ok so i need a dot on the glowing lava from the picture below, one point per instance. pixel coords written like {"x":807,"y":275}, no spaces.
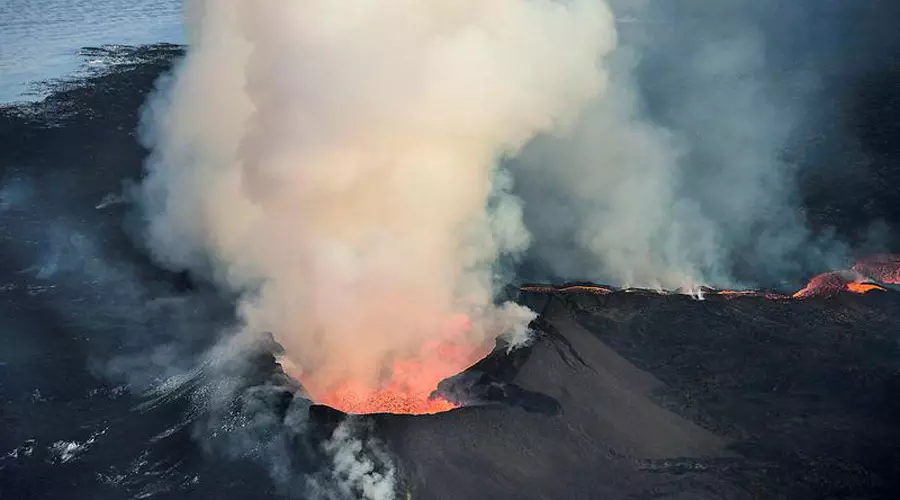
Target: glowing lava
{"x":408,"y":386}
{"x":863,"y":287}
{"x":397,"y":397}
{"x":884,"y":268}
{"x":410,"y":380}
{"x":833,"y":283}
{"x":866,"y":275}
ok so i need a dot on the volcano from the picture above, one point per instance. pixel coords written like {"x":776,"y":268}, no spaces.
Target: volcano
{"x":622,"y":394}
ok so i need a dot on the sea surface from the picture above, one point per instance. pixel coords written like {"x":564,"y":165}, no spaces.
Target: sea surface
{"x":40,"y":39}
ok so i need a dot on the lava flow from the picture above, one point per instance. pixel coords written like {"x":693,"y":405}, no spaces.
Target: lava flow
{"x":835,"y":282}
{"x":867,"y":274}
{"x":408,"y":387}
{"x":864,"y":276}
{"x":883,"y":267}
{"x":411,"y":381}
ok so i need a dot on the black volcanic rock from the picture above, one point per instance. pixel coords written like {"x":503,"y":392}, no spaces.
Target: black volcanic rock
{"x":598,"y":445}
{"x":671,"y":397}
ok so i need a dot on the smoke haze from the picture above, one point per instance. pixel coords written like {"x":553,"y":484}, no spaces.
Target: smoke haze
{"x":685,"y":172}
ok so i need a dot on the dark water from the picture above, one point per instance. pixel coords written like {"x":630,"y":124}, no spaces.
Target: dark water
{"x":87,"y":324}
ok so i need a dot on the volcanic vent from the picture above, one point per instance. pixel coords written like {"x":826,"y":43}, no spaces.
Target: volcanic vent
{"x":410,"y":384}
{"x":350,"y":192}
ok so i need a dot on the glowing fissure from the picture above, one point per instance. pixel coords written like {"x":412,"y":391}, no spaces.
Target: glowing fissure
{"x":866,"y":275}
{"x":884,"y":268}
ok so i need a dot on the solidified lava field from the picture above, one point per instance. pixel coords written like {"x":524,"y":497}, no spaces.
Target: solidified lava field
{"x":621,"y":395}
{"x":650,"y":396}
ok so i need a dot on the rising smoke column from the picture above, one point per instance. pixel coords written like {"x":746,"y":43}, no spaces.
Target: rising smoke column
{"x":333,"y":163}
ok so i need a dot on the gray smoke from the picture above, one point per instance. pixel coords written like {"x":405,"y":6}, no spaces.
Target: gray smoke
{"x":684,"y":172}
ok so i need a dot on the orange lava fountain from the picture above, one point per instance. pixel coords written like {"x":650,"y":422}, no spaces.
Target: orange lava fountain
{"x":408,"y":387}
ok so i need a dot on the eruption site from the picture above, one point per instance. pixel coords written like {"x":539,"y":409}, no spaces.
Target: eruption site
{"x":883,"y":267}
{"x":867,"y":274}
{"x":413,"y":379}
{"x":832,"y":283}
{"x":336,"y":166}
{"x":340,"y":168}
{"x":410,"y":382}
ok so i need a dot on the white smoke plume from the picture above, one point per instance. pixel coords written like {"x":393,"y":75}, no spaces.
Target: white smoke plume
{"x":335,"y":164}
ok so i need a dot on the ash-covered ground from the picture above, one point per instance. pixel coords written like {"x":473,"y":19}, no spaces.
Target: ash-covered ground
{"x":622,"y":395}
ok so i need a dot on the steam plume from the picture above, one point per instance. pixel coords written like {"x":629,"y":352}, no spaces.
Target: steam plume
{"x":334,"y":163}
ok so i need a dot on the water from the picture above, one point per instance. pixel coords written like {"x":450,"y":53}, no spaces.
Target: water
{"x":40,"y":39}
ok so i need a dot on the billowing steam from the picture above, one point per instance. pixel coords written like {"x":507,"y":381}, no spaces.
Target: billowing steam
{"x":336,"y":164}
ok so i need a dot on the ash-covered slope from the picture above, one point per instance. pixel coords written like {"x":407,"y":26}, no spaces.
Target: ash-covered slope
{"x":659,"y":396}
{"x":597,"y":434}
{"x":807,"y":390}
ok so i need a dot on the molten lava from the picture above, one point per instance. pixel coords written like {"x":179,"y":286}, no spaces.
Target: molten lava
{"x":863,"y":287}
{"x":866,"y":275}
{"x":863,"y":277}
{"x":396,"y":397}
{"x":411,"y":380}
{"x":884,"y":268}
{"x":833,"y":283}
